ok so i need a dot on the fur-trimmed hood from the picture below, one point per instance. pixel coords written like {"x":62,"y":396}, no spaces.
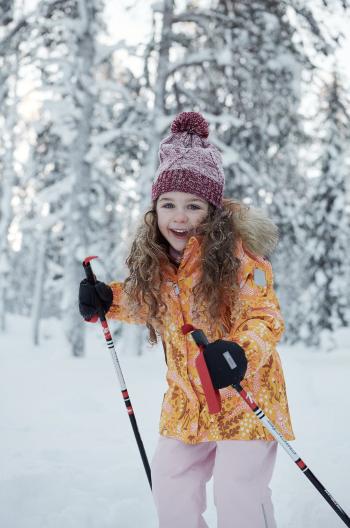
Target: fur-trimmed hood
{"x":258,"y":233}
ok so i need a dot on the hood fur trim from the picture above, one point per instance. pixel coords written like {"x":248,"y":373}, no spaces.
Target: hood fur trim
{"x":258,"y":233}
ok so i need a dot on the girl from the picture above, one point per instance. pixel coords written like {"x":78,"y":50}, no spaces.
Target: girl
{"x":196,"y":260}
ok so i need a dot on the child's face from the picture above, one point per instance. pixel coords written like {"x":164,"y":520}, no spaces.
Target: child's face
{"x":178,"y":214}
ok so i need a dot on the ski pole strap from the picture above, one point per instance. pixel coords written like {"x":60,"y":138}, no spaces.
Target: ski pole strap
{"x":212,"y":395}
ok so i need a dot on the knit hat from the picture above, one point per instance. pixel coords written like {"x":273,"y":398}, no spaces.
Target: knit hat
{"x":188,"y":162}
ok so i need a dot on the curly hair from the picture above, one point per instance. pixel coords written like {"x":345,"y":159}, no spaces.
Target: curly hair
{"x":218,"y":286}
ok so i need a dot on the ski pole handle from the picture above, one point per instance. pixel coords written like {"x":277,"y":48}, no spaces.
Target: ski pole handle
{"x":92,"y":280}
{"x":110,"y":345}
{"x":88,"y":270}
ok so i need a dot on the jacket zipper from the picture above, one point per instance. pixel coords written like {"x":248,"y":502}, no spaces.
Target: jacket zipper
{"x":177,"y":293}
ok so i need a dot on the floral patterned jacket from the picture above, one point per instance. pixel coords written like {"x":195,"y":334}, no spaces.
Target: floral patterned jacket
{"x":257,"y":326}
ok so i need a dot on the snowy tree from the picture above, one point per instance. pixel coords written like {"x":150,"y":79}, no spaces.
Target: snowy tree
{"x":6,"y":12}
{"x":156,"y":72}
{"x":9,"y":63}
{"x":119,"y":146}
{"x":323,"y":304}
{"x":119,"y":143}
{"x":17,"y":45}
{"x":80,"y":108}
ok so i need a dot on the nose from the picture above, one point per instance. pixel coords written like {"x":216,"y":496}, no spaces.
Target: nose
{"x":180,"y":216}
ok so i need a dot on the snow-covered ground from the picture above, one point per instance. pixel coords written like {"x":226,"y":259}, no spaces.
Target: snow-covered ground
{"x":68,"y":458}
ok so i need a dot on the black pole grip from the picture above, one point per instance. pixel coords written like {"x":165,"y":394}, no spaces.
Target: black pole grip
{"x":92,"y":280}
{"x":200,"y":338}
{"x":89,"y":273}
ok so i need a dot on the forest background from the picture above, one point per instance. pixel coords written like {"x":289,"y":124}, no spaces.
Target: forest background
{"x":87,"y":90}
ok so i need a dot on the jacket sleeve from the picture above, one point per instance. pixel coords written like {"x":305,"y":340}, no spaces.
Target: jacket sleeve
{"x":122,"y":308}
{"x":260,"y":324}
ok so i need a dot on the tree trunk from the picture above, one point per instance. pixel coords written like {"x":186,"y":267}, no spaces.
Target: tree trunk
{"x":8,"y":181}
{"x":39,"y":286}
{"x":157,"y":123}
{"x":156,"y":132}
{"x":77,"y":237}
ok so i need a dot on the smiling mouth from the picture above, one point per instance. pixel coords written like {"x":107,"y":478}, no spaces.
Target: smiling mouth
{"x":180,"y":233}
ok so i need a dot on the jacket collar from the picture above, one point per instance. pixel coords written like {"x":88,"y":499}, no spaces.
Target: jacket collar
{"x":190,"y":261}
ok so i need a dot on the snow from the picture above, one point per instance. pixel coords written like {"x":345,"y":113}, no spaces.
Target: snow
{"x":68,"y":457}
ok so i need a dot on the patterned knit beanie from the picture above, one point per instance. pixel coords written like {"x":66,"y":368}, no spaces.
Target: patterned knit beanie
{"x":188,"y":162}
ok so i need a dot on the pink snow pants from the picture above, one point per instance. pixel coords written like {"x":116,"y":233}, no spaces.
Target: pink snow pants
{"x":241,"y":470}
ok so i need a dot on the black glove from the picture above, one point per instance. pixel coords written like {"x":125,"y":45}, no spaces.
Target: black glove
{"x":91,"y":296}
{"x":226,"y":362}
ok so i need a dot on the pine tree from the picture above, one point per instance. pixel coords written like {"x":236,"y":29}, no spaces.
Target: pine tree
{"x":323,"y":304}
{"x":9,"y":66}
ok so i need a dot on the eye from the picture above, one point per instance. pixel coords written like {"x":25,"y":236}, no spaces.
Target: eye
{"x":194,"y":207}
{"x":168,"y":205}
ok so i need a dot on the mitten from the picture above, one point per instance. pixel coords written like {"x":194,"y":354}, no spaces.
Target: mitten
{"x":93,"y":296}
{"x":226,"y":362}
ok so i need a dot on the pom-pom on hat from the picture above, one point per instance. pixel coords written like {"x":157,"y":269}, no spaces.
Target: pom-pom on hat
{"x":188,"y":162}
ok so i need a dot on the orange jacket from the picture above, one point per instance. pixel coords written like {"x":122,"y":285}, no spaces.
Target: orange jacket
{"x":257,"y":327}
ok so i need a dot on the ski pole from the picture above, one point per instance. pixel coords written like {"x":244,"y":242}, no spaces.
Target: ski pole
{"x":110,"y":345}
{"x":202,"y":341}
